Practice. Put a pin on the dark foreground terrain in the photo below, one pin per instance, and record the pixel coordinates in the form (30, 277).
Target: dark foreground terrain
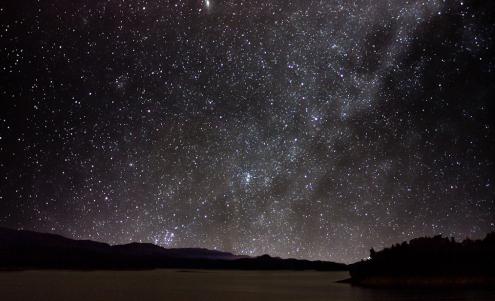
(216, 285)
(430, 262)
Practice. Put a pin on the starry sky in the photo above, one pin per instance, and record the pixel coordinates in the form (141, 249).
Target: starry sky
(310, 129)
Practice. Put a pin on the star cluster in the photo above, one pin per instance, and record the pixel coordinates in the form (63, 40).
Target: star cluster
(309, 129)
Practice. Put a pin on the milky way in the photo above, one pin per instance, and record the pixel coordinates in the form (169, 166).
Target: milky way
(307, 129)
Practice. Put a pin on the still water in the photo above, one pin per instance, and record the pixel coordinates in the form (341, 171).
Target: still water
(206, 285)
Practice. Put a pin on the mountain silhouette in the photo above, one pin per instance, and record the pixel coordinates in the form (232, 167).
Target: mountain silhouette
(20, 250)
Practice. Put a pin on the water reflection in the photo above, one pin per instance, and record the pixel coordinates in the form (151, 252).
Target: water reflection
(207, 285)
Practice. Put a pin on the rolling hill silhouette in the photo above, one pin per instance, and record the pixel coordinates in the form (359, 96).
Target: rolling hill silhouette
(21, 249)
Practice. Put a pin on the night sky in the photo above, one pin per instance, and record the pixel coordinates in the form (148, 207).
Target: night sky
(297, 128)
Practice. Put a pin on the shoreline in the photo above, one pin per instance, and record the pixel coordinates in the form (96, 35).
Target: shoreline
(425, 282)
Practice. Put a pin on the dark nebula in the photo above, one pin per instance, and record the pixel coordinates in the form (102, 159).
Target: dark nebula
(301, 128)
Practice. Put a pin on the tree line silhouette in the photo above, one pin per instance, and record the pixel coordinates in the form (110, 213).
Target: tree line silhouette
(430, 257)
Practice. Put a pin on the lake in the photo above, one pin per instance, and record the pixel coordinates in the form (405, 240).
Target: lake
(205, 285)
